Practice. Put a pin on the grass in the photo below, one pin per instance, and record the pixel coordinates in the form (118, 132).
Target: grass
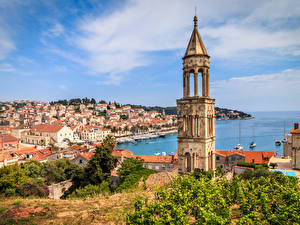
(99, 210)
(18, 202)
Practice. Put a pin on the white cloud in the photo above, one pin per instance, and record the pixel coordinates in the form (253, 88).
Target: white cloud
(6, 44)
(120, 41)
(55, 31)
(278, 91)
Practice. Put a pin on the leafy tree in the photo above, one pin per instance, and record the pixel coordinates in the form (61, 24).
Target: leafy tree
(100, 165)
(11, 176)
(93, 101)
(33, 169)
(129, 166)
(114, 130)
(60, 170)
(110, 142)
(126, 128)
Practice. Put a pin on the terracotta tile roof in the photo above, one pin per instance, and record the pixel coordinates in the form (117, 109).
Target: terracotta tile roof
(295, 131)
(87, 155)
(47, 128)
(79, 148)
(7, 138)
(154, 158)
(122, 152)
(250, 156)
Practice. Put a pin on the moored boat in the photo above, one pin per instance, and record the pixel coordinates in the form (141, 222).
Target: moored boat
(238, 147)
(277, 143)
(252, 144)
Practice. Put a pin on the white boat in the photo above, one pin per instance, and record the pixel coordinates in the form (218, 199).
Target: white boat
(157, 153)
(277, 143)
(284, 140)
(238, 147)
(252, 144)
(164, 153)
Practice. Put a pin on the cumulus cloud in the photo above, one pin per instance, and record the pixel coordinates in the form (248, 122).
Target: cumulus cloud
(119, 41)
(277, 91)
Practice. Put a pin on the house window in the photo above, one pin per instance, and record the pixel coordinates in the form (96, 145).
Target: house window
(253, 160)
(232, 158)
(217, 157)
(157, 167)
(150, 167)
(80, 161)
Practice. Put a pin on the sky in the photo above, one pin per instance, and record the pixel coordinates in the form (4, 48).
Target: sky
(131, 50)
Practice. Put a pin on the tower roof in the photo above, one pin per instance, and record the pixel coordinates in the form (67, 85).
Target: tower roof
(196, 45)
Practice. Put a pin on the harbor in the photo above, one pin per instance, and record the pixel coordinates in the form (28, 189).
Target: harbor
(264, 129)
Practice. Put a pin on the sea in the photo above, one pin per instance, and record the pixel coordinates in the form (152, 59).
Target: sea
(264, 129)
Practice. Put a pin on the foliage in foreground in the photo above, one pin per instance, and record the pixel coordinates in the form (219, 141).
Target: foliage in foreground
(31, 178)
(274, 199)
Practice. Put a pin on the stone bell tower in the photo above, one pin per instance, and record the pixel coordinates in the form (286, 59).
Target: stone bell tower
(196, 114)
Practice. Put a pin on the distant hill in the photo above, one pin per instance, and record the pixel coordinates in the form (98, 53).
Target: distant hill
(221, 113)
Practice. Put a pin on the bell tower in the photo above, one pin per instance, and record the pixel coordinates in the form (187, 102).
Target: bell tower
(196, 114)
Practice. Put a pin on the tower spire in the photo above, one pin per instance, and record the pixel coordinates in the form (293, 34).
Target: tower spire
(195, 21)
(195, 18)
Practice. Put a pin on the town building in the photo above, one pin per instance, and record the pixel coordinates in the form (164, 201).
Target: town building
(227, 159)
(196, 114)
(161, 163)
(8, 142)
(44, 134)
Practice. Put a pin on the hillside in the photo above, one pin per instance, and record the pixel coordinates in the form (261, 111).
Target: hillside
(98, 210)
(221, 113)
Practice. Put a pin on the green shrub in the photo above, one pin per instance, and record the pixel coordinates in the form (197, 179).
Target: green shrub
(91, 190)
(10, 192)
(252, 165)
(31, 188)
(11, 177)
(132, 180)
(267, 198)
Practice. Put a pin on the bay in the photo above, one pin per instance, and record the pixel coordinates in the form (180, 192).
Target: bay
(265, 128)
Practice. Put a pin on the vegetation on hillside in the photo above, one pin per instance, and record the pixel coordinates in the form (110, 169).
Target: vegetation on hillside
(261, 197)
(131, 172)
(32, 178)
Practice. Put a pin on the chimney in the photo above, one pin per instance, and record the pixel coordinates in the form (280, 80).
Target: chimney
(296, 126)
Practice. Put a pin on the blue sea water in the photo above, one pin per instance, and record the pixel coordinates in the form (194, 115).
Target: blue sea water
(265, 128)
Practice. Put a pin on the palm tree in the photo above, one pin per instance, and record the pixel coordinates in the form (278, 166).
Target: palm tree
(110, 141)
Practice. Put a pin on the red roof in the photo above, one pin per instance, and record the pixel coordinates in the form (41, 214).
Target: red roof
(250, 156)
(154, 158)
(122, 152)
(87, 155)
(295, 131)
(47, 128)
(8, 138)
